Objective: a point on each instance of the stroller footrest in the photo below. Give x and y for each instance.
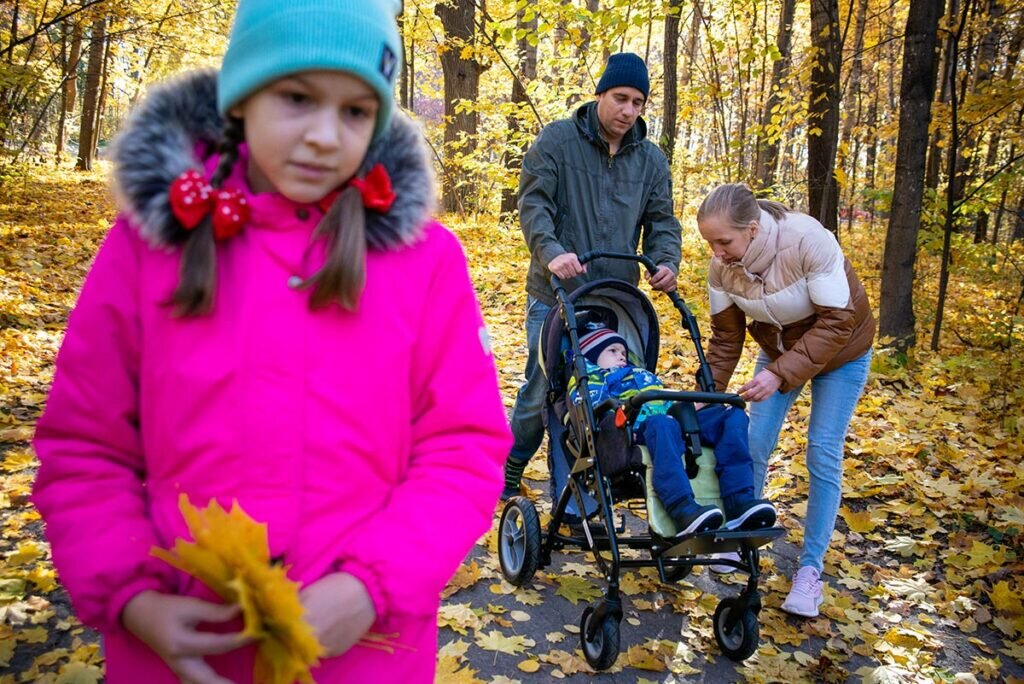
(722, 540)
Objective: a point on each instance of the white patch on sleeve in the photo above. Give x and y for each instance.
(830, 287)
(719, 299)
(485, 340)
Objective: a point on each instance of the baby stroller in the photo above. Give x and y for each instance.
(592, 453)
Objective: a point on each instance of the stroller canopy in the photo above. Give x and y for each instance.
(611, 303)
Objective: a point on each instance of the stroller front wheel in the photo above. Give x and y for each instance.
(602, 650)
(519, 541)
(738, 641)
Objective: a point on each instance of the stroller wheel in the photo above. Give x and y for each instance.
(603, 649)
(519, 541)
(739, 642)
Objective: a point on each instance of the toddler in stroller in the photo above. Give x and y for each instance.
(722, 427)
(603, 425)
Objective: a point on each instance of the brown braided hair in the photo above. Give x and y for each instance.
(197, 276)
(343, 275)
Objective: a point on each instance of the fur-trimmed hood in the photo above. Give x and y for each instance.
(177, 128)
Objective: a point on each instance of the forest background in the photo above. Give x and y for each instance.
(898, 123)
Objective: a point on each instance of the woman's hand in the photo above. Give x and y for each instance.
(340, 611)
(761, 386)
(167, 624)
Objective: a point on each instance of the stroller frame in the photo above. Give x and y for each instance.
(523, 547)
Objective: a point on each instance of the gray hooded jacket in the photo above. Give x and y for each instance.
(574, 196)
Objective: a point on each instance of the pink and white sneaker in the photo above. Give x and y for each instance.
(806, 594)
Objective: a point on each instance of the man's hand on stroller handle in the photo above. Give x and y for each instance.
(566, 266)
(663, 280)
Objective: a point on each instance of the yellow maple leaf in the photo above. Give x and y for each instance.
(644, 658)
(861, 522)
(512, 645)
(1006, 600)
(576, 589)
(231, 555)
(467, 575)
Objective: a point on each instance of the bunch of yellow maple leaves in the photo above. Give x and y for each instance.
(230, 554)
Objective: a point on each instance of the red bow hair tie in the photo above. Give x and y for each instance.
(192, 199)
(375, 187)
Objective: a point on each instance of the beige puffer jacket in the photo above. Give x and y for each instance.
(807, 309)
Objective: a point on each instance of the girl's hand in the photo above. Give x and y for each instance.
(167, 624)
(761, 386)
(340, 611)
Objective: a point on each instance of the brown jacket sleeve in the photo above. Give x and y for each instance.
(728, 330)
(815, 348)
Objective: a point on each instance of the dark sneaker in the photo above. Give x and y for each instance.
(755, 514)
(509, 491)
(701, 520)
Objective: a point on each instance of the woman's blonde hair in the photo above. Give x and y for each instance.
(735, 202)
(341, 279)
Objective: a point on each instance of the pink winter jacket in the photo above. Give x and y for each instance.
(370, 442)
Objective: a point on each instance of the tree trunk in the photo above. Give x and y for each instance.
(461, 82)
(411, 63)
(527, 57)
(90, 99)
(668, 134)
(983, 77)
(823, 114)
(768, 138)
(70, 53)
(954, 184)
(1018, 226)
(403, 76)
(896, 305)
(871, 153)
(685, 72)
(854, 105)
(934, 167)
(101, 106)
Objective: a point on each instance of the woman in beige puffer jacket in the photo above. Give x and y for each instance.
(781, 275)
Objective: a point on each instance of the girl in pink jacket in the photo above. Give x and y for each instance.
(274, 319)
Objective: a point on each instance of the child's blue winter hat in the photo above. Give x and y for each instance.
(625, 69)
(273, 38)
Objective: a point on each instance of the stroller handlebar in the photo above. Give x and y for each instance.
(640, 258)
(705, 380)
(638, 400)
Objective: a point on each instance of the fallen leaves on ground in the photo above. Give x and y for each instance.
(925, 568)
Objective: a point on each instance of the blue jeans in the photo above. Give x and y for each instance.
(722, 428)
(527, 421)
(834, 397)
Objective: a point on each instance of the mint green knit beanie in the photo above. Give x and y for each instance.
(273, 38)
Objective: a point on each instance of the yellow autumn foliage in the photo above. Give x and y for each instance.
(230, 554)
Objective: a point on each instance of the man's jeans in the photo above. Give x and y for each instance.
(527, 420)
(527, 423)
(834, 397)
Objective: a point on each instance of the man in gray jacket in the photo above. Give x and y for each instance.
(591, 182)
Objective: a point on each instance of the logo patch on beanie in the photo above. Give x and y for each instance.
(388, 62)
